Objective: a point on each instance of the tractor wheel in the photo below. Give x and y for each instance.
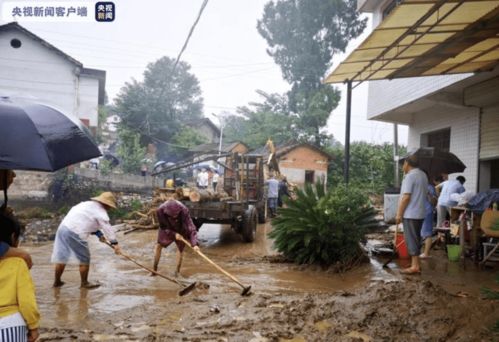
(249, 224)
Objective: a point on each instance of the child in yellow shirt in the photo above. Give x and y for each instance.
(19, 316)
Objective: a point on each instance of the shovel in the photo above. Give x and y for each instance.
(246, 289)
(185, 288)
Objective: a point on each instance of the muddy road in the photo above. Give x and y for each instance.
(288, 302)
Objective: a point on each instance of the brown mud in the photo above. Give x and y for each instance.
(288, 302)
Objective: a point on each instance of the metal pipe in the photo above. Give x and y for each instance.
(247, 181)
(346, 165)
(396, 155)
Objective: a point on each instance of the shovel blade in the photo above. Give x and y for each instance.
(187, 289)
(246, 291)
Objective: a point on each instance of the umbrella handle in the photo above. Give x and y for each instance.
(6, 198)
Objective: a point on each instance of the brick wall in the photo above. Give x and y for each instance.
(29, 185)
(294, 164)
(464, 136)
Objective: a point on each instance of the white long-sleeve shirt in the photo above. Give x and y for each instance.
(203, 179)
(87, 218)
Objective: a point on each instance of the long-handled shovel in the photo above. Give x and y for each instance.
(394, 253)
(246, 289)
(185, 288)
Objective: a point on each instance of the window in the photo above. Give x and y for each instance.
(494, 174)
(15, 43)
(438, 139)
(309, 176)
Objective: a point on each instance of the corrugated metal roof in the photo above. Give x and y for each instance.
(424, 38)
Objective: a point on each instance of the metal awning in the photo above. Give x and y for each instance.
(425, 38)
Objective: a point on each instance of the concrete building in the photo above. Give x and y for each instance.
(32, 68)
(458, 111)
(206, 128)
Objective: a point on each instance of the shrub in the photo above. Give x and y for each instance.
(323, 227)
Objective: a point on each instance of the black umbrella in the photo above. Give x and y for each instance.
(35, 136)
(435, 161)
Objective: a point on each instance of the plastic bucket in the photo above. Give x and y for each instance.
(402, 247)
(453, 252)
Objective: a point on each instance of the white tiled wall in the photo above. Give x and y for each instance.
(387, 95)
(464, 136)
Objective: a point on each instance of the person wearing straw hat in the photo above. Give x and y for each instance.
(85, 218)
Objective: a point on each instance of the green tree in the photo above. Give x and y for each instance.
(371, 165)
(130, 150)
(186, 138)
(102, 116)
(259, 121)
(158, 106)
(303, 36)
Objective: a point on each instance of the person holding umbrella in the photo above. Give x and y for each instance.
(174, 220)
(70, 241)
(411, 210)
(6, 250)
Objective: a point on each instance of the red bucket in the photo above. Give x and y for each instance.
(401, 247)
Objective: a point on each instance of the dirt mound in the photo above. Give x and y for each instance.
(411, 310)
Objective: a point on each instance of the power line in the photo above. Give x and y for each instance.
(191, 31)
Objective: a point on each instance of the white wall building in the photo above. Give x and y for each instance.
(459, 113)
(32, 68)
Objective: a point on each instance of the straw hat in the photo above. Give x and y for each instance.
(106, 198)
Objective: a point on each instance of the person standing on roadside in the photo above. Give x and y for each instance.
(214, 180)
(411, 210)
(272, 194)
(427, 229)
(283, 191)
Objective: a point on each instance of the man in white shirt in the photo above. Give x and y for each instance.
(83, 219)
(214, 180)
(203, 179)
(272, 194)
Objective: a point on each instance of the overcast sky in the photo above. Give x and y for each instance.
(226, 54)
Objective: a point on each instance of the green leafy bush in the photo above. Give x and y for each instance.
(323, 227)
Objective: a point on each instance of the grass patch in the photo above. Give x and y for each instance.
(34, 213)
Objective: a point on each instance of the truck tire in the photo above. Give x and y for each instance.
(249, 224)
(198, 223)
(262, 213)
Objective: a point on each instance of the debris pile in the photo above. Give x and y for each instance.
(146, 217)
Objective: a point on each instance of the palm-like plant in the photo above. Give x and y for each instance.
(321, 226)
